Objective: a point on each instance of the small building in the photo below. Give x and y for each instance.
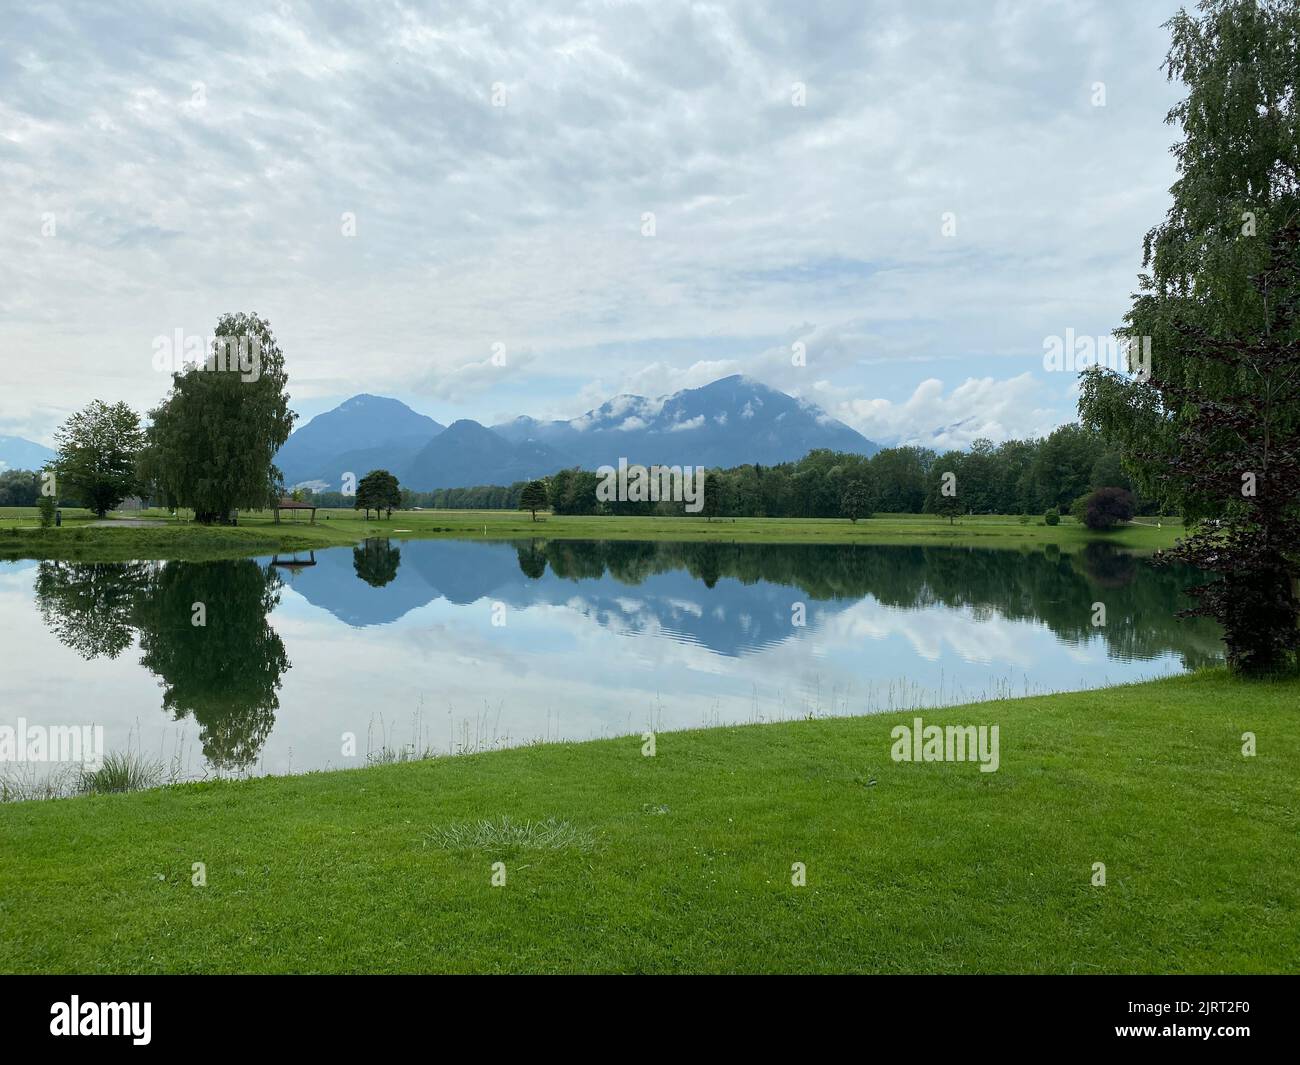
(294, 505)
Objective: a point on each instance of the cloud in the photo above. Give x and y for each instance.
(202, 159)
(978, 407)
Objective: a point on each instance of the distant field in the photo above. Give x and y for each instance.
(257, 533)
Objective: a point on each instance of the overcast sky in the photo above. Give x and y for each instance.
(163, 163)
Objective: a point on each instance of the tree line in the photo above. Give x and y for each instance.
(1015, 477)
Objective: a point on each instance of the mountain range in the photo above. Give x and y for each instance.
(19, 454)
(729, 422)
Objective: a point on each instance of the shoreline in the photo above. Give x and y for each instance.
(81, 539)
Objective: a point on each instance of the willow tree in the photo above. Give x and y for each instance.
(1210, 425)
(212, 443)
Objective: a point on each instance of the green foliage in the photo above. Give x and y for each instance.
(1219, 302)
(1052, 517)
(213, 440)
(379, 491)
(533, 498)
(46, 507)
(121, 772)
(19, 488)
(98, 448)
(1238, 183)
(855, 502)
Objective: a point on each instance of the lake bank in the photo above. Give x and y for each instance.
(257, 533)
(682, 862)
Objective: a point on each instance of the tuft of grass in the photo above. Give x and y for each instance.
(408, 752)
(121, 773)
(22, 784)
(505, 834)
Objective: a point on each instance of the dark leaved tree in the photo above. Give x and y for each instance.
(1107, 507)
(533, 497)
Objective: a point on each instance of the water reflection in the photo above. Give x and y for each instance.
(203, 630)
(213, 635)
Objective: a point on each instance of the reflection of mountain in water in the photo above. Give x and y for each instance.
(738, 598)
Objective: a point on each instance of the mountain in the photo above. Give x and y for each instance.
(363, 433)
(732, 421)
(467, 454)
(19, 454)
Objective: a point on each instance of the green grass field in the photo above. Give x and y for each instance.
(20, 536)
(616, 862)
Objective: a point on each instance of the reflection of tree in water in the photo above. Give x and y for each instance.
(90, 606)
(225, 673)
(376, 561)
(1108, 566)
(532, 559)
(1054, 588)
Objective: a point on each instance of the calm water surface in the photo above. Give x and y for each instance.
(454, 645)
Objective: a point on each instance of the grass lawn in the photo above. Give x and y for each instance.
(682, 862)
(258, 534)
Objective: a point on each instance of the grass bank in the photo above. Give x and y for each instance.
(682, 862)
(82, 538)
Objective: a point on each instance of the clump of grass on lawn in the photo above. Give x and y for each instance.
(503, 834)
(24, 785)
(121, 773)
(396, 755)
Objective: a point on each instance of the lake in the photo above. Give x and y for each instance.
(267, 665)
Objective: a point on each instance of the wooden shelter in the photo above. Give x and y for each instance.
(293, 504)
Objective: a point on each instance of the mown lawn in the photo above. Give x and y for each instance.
(258, 534)
(682, 862)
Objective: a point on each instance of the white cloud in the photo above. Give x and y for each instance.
(687, 423)
(978, 407)
(521, 224)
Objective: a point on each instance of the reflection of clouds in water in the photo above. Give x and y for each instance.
(930, 631)
(580, 662)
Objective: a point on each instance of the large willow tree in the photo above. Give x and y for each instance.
(1213, 428)
(212, 443)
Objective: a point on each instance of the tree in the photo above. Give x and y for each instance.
(98, 448)
(1213, 425)
(1106, 507)
(1240, 456)
(213, 440)
(533, 497)
(942, 483)
(19, 488)
(379, 491)
(855, 503)
(712, 501)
